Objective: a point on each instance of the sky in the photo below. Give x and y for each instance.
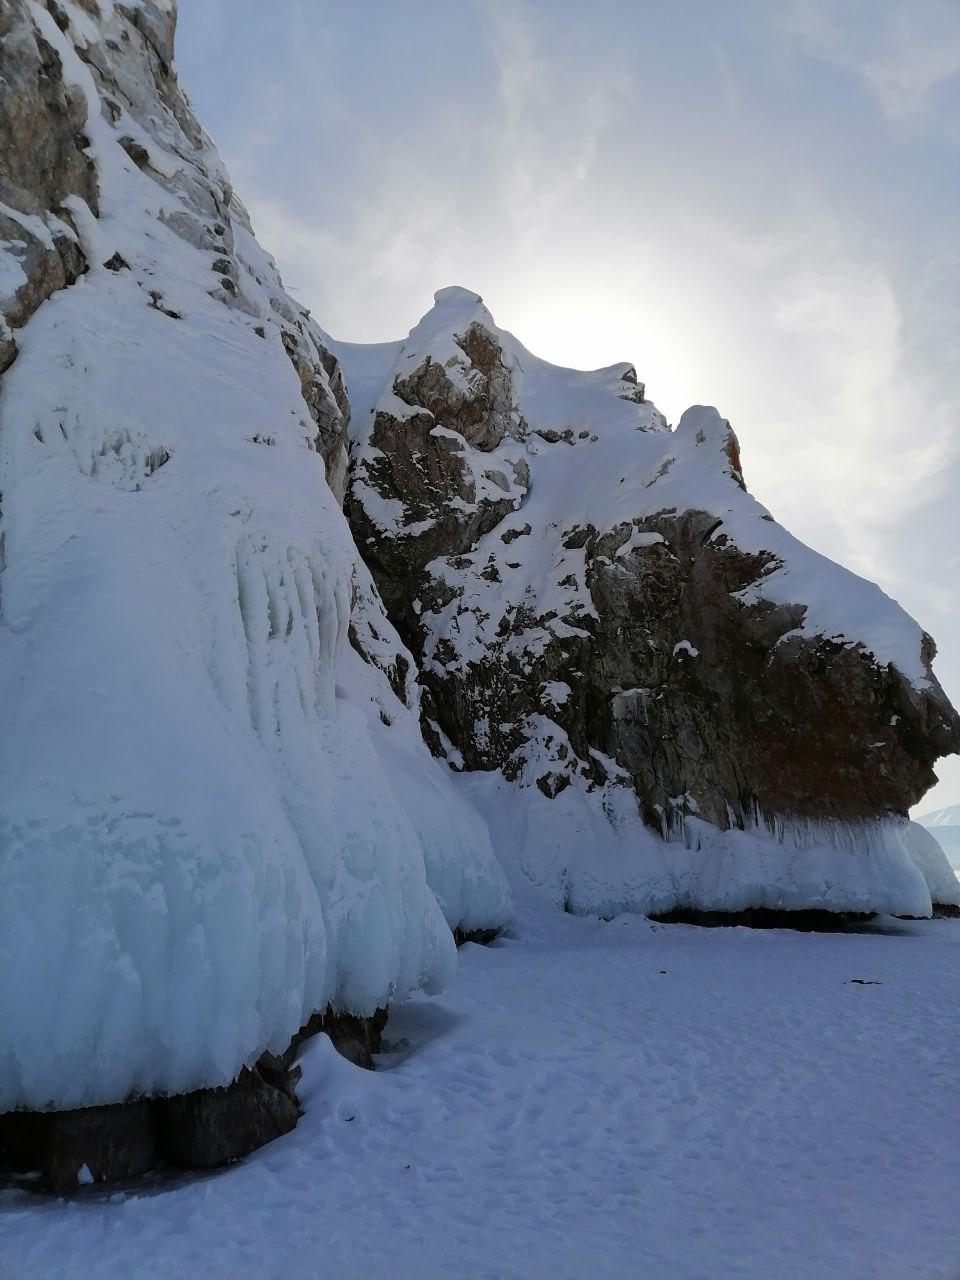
(757, 203)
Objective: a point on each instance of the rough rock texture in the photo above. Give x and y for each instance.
(211, 1127)
(631, 635)
(42, 164)
(418, 449)
(113, 1142)
(760, 717)
(48, 187)
(353, 1037)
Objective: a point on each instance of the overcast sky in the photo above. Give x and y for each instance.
(757, 203)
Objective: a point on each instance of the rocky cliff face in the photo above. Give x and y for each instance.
(595, 598)
(42, 142)
(50, 183)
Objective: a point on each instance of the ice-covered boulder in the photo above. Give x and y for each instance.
(603, 615)
(217, 816)
(945, 825)
(932, 863)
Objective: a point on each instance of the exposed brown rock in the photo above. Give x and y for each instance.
(705, 703)
(354, 1037)
(419, 460)
(44, 160)
(809, 727)
(90, 1144)
(42, 144)
(211, 1127)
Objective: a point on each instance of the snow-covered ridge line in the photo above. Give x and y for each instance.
(678, 469)
(217, 815)
(946, 817)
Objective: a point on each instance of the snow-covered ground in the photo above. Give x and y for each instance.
(591, 1100)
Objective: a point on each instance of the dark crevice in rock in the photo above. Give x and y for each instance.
(157, 304)
(481, 937)
(136, 151)
(396, 671)
(354, 1037)
(323, 389)
(806, 921)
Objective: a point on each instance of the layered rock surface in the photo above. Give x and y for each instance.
(596, 600)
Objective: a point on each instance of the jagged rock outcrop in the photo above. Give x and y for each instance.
(218, 819)
(44, 165)
(49, 186)
(442, 465)
(595, 598)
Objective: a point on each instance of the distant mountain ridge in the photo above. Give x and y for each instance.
(947, 817)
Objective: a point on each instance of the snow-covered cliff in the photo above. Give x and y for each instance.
(660, 697)
(217, 815)
(254, 759)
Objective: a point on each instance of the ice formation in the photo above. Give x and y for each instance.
(931, 861)
(216, 814)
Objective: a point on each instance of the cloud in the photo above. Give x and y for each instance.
(551, 115)
(902, 51)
